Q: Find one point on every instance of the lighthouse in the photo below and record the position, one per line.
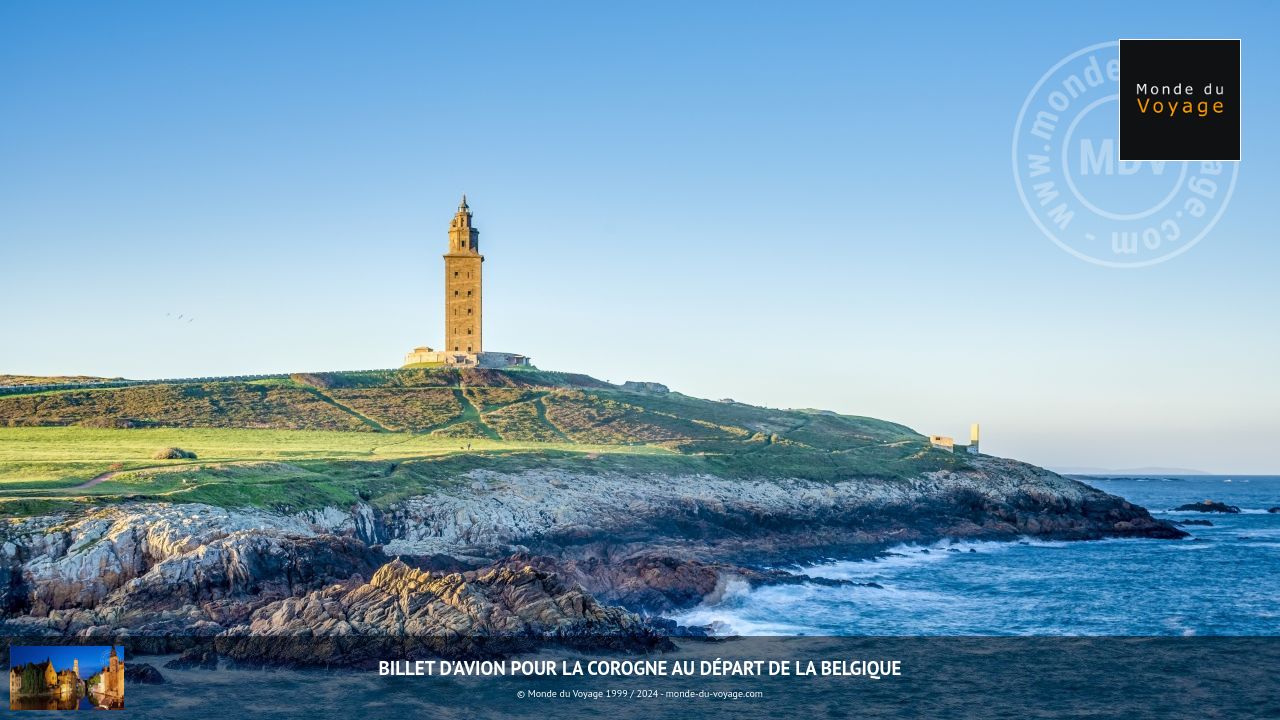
(463, 305)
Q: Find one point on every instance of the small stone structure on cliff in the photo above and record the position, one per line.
(947, 443)
(463, 305)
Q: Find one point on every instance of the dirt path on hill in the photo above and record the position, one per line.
(112, 473)
(107, 476)
(324, 397)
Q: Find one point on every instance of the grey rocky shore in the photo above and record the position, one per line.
(500, 562)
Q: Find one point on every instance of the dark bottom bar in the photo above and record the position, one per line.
(1194, 677)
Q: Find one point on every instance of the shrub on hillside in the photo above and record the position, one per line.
(174, 453)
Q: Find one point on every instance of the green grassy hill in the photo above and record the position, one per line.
(315, 439)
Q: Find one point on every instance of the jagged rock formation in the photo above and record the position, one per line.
(1208, 506)
(652, 543)
(401, 609)
(142, 673)
(711, 519)
(158, 569)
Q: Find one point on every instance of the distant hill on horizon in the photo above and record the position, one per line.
(1134, 472)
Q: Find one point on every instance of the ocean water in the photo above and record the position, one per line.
(1224, 580)
(1199, 595)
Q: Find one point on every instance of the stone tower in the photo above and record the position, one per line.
(463, 303)
(463, 317)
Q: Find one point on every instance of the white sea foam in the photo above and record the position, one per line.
(911, 555)
(1026, 587)
(726, 623)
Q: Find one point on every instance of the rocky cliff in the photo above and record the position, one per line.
(533, 555)
(405, 612)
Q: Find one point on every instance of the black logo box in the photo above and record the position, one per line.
(1187, 68)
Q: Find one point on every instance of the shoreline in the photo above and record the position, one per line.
(508, 562)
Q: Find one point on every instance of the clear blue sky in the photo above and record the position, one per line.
(797, 204)
(92, 657)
